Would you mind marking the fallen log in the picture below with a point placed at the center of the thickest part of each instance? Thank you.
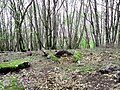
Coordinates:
(14, 65)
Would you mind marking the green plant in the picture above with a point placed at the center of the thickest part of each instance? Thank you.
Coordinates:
(84, 44)
(77, 56)
(92, 44)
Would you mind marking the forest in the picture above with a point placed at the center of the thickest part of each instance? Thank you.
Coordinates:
(59, 24)
(59, 44)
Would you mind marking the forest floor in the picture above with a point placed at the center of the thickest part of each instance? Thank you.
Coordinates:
(44, 74)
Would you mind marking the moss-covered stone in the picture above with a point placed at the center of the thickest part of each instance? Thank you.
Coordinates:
(13, 65)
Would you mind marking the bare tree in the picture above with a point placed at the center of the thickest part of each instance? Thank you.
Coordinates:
(19, 15)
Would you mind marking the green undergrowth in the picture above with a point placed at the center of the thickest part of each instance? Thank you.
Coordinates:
(77, 56)
(84, 43)
(10, 84)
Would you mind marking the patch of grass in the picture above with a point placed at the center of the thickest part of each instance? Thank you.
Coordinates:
(10, 84)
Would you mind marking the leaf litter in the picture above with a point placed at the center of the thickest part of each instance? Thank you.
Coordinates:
(47, 75)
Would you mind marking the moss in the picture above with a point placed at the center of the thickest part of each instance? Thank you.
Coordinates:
(13, 65)
(14, 88)
(1, 85)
